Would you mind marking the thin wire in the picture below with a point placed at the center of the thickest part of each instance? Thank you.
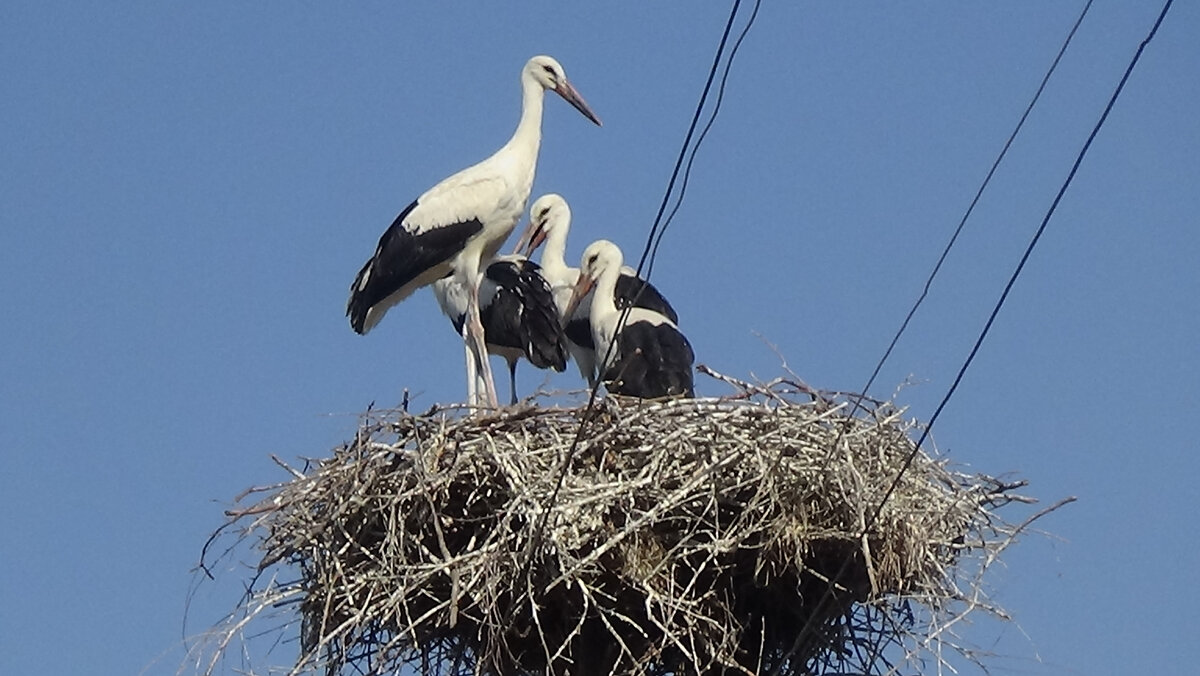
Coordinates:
(992, 317)
(623, 318)
(865, 391)
(650, 253)
(687, 173)
(970, 208)
(1024, 257)
(590, 411)
(687, 140)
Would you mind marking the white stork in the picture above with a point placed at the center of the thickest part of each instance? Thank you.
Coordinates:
(519, 316)
(648, 358)
(462, 221)
(549, 223)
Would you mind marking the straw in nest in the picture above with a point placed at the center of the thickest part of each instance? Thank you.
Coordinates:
(742, 534)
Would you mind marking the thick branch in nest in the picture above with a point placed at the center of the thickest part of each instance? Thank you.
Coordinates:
(690, 536)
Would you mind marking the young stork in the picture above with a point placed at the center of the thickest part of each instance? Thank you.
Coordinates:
(648, 358)
(462, 221)
(518, 314)
(549, 222)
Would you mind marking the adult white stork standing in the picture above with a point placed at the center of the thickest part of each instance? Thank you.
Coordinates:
(462, 221)
(549, 223)
(648, 357)
(519, 316)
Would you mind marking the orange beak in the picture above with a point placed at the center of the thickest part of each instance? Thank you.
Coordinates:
(582, 288)
(571, 96)
(531, 239)
(525, 234)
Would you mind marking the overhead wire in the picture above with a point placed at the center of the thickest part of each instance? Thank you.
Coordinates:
(875, 513)
(650, 253)
(971, 208)
(857, 400)
(687, 172)
(1025, 256)
(657, 228)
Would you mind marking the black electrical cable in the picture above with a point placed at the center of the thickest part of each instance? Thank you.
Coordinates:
(987, 327)
(655, 229)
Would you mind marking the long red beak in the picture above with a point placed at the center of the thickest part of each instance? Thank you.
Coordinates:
(571, 96)
(539, 236)
(531, 239)
(523, 239)
(582, 288)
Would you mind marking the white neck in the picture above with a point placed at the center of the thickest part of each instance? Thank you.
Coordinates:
(528, 136)
(604, 297)
(554, 248)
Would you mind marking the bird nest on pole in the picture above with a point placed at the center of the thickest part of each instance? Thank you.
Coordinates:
(763, 532)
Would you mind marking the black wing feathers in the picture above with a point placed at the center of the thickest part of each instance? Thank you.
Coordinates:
(655, 360)
(522, 314)
(401, 257)
(630, 290)
(579, 331)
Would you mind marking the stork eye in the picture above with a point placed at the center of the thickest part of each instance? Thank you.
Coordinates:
(550, 71)
(543, 212)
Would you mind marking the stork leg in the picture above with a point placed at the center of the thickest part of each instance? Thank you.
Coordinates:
(480, 386)
(512, 381)
(472, 370)
(475, 326)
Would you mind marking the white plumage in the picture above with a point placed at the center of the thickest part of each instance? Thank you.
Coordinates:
(648, 357)
(549, 224)
(519, 316)
(462, 221)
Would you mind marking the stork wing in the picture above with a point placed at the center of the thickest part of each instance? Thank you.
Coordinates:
(631, 290)
(465, 196)
(407, 258)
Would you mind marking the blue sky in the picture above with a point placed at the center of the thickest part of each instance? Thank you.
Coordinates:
(188, 191)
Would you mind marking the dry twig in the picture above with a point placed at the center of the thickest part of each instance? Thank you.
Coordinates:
(689, 537)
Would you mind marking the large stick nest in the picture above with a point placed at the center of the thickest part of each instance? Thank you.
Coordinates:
(760, 533)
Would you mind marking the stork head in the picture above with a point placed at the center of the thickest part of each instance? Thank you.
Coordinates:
(548, 217)
(550, 75)
(600, 259)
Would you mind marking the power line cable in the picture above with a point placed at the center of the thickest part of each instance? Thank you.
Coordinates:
(1024, 258)
(656, 239)
(865, 391)
(971, 208)
(650, 253)
(656, 228)
(987, 327)
(687, 139)
(687, 172)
